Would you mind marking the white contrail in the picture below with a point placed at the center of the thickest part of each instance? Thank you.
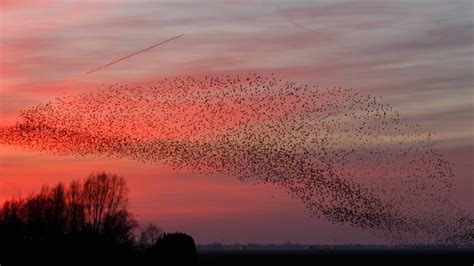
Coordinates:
(133, 54)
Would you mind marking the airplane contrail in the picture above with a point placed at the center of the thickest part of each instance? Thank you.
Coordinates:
(133, 54)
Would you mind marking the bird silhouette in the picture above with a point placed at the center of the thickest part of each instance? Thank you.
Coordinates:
(349, 158)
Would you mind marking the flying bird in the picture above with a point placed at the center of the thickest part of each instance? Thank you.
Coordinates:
(347, 157)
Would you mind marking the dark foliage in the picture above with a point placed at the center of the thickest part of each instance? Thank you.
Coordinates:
(84, 222)
(175, 249)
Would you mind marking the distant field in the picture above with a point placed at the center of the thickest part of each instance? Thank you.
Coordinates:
(348, 256)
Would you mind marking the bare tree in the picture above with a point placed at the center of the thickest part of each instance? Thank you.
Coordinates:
(75, 205)
(89, 217)
(57, 202)
(104, 196)
(149, 236)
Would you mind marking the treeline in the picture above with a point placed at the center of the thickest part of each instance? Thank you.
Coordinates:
(85, 219)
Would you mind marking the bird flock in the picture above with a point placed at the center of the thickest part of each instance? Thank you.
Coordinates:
(348, 157)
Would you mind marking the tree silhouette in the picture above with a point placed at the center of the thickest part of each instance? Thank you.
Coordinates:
(175, 249)
(78, 218)
(103, 196)
(86, 219)
(149, 236)
(75, 211)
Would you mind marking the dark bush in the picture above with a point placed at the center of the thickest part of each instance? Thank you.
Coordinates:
(175, 249)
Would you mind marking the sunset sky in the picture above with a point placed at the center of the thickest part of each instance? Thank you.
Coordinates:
(417, 55)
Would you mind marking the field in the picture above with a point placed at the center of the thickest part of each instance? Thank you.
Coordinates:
(340, 255)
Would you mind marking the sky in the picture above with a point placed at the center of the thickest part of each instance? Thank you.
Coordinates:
(417, 55)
